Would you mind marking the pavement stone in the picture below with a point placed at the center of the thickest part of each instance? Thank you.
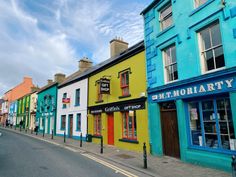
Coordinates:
(157, 166)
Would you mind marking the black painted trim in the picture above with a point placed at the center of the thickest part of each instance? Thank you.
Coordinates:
(129, 141)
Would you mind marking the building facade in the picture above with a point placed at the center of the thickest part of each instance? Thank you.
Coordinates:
(117, 102)
(191, 71)
(13, 112)
(23, 114)
(33, 108)
(72, 103)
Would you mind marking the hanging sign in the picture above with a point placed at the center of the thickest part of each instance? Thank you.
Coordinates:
(105, 86)
(65, 100)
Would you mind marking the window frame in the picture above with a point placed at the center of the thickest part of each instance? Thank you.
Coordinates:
(167, 72)
(97, 124)
(77, 97)
(166, 17)
(126, 83)
(202, 49)
(78, 122)
(64, 96)
(63, 128)
(204, 147)
(134, 127)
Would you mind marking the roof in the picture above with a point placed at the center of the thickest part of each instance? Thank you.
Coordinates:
(105, 64)
(47, 86)
(149, 7)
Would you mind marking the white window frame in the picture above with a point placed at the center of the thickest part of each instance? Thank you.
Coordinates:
(166, 77)
(169, 15)
(202, 50)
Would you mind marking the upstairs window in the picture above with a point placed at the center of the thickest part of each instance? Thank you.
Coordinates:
(63, 122)
(211, 47)
(124, 83)
(199, 3)
(171, 72)
(63, 98)
(166, 17)
(97, 124)
(78, 128)
(77, 97)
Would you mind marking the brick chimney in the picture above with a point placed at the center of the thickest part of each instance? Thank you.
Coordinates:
(85, 64)
(59, 77)
(117, 46)
(50, 81)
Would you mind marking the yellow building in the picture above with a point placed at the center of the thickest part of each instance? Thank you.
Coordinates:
(117, 98)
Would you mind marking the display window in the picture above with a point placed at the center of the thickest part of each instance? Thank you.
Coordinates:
(97, 124)
(211, 124)
(129, 125)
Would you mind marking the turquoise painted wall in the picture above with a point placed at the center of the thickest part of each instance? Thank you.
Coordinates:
(186, 23)
(47, 107)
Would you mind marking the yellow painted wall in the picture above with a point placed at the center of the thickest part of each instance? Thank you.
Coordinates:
(137, 85)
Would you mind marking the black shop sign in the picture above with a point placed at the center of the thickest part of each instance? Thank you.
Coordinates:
(117, 108)
(105, 86)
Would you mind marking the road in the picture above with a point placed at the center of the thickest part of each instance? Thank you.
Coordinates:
(22, 156)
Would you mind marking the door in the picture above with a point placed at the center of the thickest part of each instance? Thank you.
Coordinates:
(170, 133)
(70, 125)
(110, 132)
(46, 125)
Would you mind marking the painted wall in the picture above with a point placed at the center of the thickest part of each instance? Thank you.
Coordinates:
(137, 85)
(46, 110)
(33, 108)
(13, 112)
(23, 105)
(72, 108)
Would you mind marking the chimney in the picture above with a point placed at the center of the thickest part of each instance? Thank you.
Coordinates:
(117, 46)
(50, 81)
(59, 77)
(27, 79)
(85, 64)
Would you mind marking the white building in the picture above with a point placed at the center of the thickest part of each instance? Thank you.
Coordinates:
(72, 103)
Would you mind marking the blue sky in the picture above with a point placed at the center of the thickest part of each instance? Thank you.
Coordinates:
(42, 37)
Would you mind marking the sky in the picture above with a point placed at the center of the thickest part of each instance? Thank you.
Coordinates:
(39, 38)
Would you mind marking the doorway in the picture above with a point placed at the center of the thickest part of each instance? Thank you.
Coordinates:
(110, 126)
(70, 125)
(170, 133)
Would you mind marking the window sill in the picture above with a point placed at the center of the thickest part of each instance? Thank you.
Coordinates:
(200, 7)
(165, 30)
(213, 150)
(76, 105)
(97, 136)
(129, 141)
(124, 96)
(100, 101)
(214, 70)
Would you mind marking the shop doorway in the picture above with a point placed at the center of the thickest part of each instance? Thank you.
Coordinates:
(70, 125)
(110, 125)
(170, 133)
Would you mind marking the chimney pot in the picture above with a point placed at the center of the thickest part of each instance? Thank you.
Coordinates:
(59, 77)
(85, 64)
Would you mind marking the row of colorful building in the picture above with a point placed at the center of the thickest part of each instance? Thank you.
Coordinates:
(175, 91)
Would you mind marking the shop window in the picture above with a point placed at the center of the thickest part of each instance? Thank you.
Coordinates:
(198, 3)
(166, 17)
(77, 97)
(212, 53)
(97, 124)
(41, 122)
(211, 124)
(64, 97)
(171, 72)
(63, 122)
(124, 83)
(78, 119)
(99, 94)
(129, 125)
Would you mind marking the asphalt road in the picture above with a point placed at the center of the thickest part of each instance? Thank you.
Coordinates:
(22, 156)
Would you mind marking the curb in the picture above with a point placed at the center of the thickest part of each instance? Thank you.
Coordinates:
(81, 150)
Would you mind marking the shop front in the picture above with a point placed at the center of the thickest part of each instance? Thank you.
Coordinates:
(195, 119)
(122, 124)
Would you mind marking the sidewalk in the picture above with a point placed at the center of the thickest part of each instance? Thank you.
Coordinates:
(157, 166)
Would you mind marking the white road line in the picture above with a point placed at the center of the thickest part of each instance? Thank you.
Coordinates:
(116, 169)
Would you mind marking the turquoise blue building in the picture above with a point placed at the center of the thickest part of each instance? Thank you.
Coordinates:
(13, 112)
(191, 72)
(47, 105)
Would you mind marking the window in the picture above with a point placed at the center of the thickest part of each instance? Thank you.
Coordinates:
(99, 94)
(124, 83)
(199, 3)
(77, 97)
(166, 17)
(78, 122)
(97, 124)
(171, 72)
(64, 97)
(211, 47)
(63, 122)
(129, 125)
(211, 124)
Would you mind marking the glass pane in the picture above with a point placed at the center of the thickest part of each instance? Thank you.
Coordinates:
(195, 125)
(175, 74)
(219, 57)
(167, 22)
(135, 130)
(167, 57)
(205, 36)
(216, 35)
(124, 125)
(209, 60)
(173, 54)
(208, 110)
(130, 133)
(165, 12)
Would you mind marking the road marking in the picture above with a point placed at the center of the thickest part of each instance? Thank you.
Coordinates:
(116, 169)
